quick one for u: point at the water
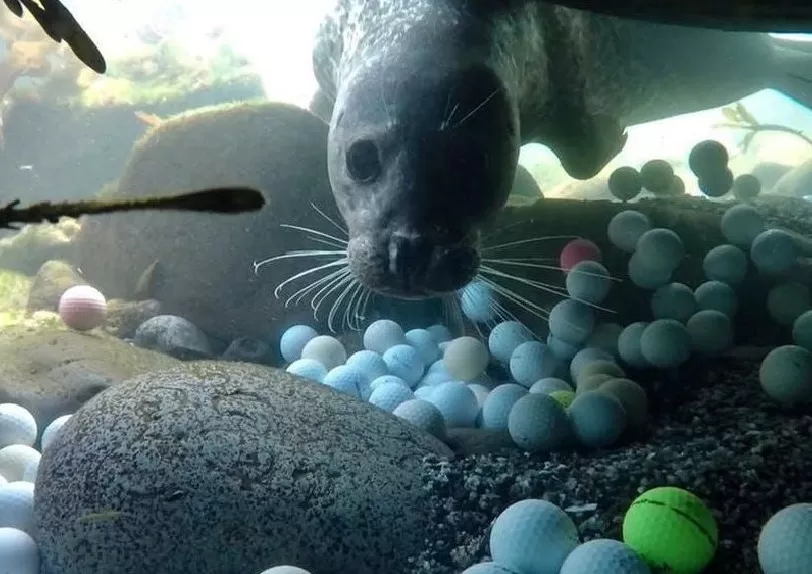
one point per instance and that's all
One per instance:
(161, 335)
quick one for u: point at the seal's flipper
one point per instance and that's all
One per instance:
(795, 75)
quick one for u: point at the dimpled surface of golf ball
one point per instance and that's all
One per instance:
(457, 403)
(605, 336)
(18, 552)
(585, 356)
(660, 249)
(538, 422)
(774, 252)
(673, 301)
(533, 535)
(388, 396)
(726, 263)
(17, 425)
(488, 568)
(563, 351)
(285, 570)
(422, 414)
(625, 229)
(604, 556)
(787, 301)
(785, 542)
(532, 361)
(294, 340)
(571, 321)
(478, 302)
(665, 344)
(368, 362)
(786, 375)
(625, 183)
(577, 251)
(465, 358)
(646, 276)
(496, 406)
(505, 337)
(441, 333)
(404, 361)
(549, 384)
(598, 419)
(588, 281)
(716, 296)
(326, 350)
(746, 187)
(348, 380)
(628, 345)
(710, 332)
(308, 369)
(741, 224)
(802, 331)
(382, 334)
(425, 343)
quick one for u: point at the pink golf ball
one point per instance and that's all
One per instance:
(578, 250)
(82, 307)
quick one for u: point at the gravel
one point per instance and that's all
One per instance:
(713, 432)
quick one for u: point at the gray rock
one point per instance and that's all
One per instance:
(124, 317)
(53, 371)
(228, 468)
(249, 350)
(52, 279)
(175, 336)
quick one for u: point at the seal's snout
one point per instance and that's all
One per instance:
(414, 265)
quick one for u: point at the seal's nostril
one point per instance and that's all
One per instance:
(363, 161)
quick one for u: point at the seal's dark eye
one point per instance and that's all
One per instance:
(363, 163)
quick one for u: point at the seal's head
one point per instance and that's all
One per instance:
(422, 152)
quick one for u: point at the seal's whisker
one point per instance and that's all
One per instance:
(526, 241)
(548, 287)
(591, 274)
(504, 228)
(318, 301)
(518, 263)
(449, 114)
(352, 283)
(332, 221)
(357, 312)
(452, 313)
(299, 254)
(519, 300)
(326, 290)
(353, 316)
(326, 242)
(314, 232)
(476, 109)
(300, 294)
(306, 272)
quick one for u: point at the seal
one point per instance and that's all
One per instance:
(429, 101)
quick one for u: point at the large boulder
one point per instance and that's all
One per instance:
(207, 259)
(228, 468)
(53, 371)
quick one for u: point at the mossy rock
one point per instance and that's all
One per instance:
(208, 258)
(52, 371)
(14, 288)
